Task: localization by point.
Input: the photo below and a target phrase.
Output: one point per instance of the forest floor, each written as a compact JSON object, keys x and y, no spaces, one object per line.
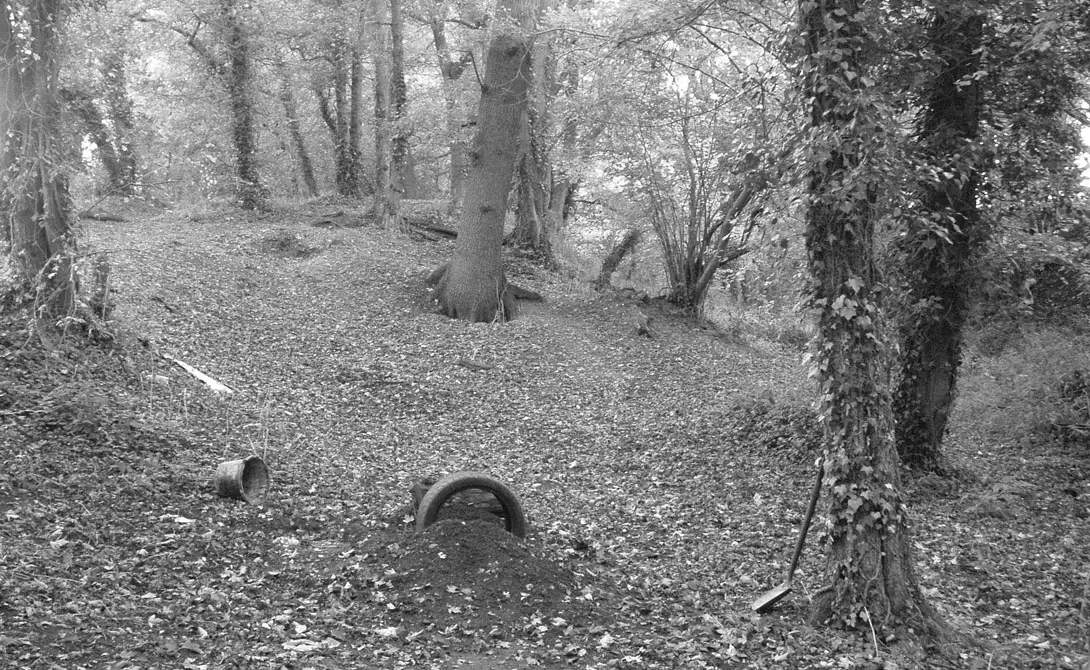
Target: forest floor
{"x":664,"y":479}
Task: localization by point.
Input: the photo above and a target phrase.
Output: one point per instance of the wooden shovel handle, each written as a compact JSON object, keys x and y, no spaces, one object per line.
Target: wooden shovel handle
{"x":814,"y":495}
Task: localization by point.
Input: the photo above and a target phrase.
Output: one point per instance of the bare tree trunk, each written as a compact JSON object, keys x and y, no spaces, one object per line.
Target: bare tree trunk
{"x":938,"y":252}
{"x":534,"y":176}
{"x":399,"y":102}
{"x":34,"y":194}
{"x":474,"y":286}
{"x":412,"y":181}
{"x":612,"y":261}
{"x":563,"y":185}
{"x":325,"y":109}
{"x":381,"y":54}
{"x":543,"y":194}
{"x":355,"y":124}
{"x":295,"y":131}
{"x":395,"y":175}
{"x":869,"y":565}
{"x":451,"y":71}
{"x":342,"y":147}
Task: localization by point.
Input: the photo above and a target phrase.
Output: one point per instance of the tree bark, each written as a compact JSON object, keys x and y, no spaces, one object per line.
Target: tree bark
{"x":869,"y":565}
{"x":395,"y":176}
{"x":119,"y":111}
{"x":383,"y":74}
{"x":403,"y":172}
{"x":612,"y":261}
{"x":534,"y":176}
{"x":708,"y":230}
{"x":474,"y":286}
{"x":295,"y":131}
{"x":451,"y":70}
{"x":342,"y":115}
{"x":251,"y":193}
{"x":83,"y":106}
{"x":355,"y":123}
{"x":563,"y":184}
{"x":34,"y":194}
{"x":937,"y":255}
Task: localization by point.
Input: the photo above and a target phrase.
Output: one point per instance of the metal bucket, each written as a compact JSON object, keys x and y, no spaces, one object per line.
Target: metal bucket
{"x":245,"y":479}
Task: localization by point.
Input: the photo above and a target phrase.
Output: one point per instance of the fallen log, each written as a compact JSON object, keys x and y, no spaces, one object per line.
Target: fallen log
{"x":445,"y":231}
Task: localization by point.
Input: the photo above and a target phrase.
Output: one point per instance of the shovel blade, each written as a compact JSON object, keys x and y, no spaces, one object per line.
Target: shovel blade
{"x":768,"y":600}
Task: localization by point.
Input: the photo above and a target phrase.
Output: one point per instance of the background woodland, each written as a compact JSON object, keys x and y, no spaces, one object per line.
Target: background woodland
{"x":898,"y":188}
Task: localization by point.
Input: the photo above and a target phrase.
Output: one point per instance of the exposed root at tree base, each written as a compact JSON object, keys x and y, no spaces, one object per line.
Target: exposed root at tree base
{"x":923,"y":626}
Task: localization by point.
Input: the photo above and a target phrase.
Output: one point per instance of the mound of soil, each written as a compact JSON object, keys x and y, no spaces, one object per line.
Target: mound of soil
{"x":474,"y":574}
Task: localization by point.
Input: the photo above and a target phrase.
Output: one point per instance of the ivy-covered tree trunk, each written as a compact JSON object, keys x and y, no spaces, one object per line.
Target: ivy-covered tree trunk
{"x":34,"y":198}
{"x":251,"y":193}
{"x":938,"y":252}
{"x":119,"y":112}
{"x":869,"y":566}
{"x":343,"y":115}
{"x":474,"y":287}
{"x":81,"y":104}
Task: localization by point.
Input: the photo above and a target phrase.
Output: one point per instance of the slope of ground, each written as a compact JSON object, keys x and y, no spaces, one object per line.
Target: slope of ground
{"x":664,"y":479}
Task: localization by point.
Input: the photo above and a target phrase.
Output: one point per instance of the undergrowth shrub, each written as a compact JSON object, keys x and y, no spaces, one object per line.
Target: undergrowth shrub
{"x":1030,"y":390}
{"x":768,"y":322}
{"x":1028,"y":281}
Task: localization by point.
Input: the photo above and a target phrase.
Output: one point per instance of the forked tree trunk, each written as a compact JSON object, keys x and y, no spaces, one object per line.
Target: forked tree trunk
{"x":474,"y":287}
{"x":937,"y":257}
{"x":869,"y":565}
{"x":295,"y":130}
{"x":451,"y":70}
{"x":33,"y":194}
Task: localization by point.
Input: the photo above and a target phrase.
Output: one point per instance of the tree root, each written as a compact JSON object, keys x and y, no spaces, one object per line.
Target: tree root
{"x":510,"y":290}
